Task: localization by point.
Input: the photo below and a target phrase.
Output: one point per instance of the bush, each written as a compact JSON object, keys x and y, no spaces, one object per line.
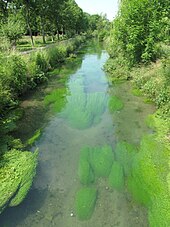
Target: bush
{"x":15,"y":74}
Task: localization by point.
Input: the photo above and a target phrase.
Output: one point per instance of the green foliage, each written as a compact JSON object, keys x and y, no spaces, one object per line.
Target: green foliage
{"x":85,"y":202}
{"x":56,"y":55}
{"x":13,"y":29}
{"x":17,"y":170}
{"x":115,"y":104}
{"x":137,"y":28}
{"x":116,"y":176}
{"x":117,"y":68}
{"x":42,"y":62}
{"x":101,"y":160}
{"x":154,"y":84}
{"x":15,"y":74}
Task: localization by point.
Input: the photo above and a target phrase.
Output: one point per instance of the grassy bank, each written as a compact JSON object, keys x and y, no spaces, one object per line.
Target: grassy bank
{"x":18,"y":75}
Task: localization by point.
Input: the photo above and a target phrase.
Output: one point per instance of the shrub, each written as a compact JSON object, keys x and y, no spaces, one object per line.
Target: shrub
{"x":15,"y":74}
{"x":42,"y":62}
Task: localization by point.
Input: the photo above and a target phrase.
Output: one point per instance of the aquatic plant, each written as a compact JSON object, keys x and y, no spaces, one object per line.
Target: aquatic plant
{"x":136,"y":92}
{"x":83,"y":110}
{"x":17,"y":170}
{"x":35,"y":137}
{"x":85,"y":202}
{"x":124,"y":154}
{"x":159,"y":214}
{"x":115,"y":104}
{"x":160,"y":126}
{"x":148,"y":182}
{"x":85,"y":171}
{"x":101,"y":159}
{"x":57,"y":99}
{"x":116,"y":176}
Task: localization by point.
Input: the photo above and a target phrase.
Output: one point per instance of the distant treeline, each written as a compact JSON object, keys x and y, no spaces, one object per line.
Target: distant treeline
{"x":44,"y":17}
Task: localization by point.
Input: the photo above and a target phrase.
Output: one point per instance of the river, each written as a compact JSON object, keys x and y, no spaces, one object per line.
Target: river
{"x":82,"y":118}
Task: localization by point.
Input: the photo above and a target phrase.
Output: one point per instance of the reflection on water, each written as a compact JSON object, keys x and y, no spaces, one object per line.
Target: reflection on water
{"x":83,"y":120}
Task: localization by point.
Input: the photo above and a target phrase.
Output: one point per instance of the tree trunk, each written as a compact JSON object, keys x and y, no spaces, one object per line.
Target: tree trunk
{"x":28,"y":25}
{"x":31,"y":36}
{"x":43,"y":31}
{"x":53,"y":38}
{"x":58,"y":34}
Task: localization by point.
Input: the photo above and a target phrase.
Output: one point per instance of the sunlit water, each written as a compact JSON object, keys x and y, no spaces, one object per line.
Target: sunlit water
{"x":51,"y":200}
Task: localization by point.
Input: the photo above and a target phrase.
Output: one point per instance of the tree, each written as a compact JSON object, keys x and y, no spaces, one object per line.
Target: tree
{"x":13,"y":29}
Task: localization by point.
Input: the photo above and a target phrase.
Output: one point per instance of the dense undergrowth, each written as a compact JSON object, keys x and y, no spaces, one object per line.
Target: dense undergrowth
{"x":18,"y":75}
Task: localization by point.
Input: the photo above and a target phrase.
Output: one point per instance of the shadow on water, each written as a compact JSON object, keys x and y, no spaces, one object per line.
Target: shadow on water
{"x":82,"y":92}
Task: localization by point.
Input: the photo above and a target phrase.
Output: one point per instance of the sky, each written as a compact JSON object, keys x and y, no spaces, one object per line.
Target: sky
{"x":109,"y":7}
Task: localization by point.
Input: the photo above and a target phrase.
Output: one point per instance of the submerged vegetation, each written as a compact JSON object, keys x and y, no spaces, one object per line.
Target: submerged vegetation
{"x":17,"y":170}
{"x":83,"y":109}
{"x":85,"y":202}
{"x":115,"y":104}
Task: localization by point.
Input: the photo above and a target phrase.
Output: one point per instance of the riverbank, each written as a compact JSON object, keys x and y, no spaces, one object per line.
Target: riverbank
{"x":148,"y":181}
{"x":18,"y":76}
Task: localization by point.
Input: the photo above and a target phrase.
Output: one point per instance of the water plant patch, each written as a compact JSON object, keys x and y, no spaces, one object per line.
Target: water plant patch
{"x":17,"y":170}
{"x":116,"y":176}
{"x":85,"y":202}
{"x":115,"y":104}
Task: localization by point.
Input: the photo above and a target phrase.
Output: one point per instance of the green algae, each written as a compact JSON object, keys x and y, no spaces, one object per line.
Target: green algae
{"x":136,"y":92}
{"x":101,"y":159}
{"x":17,"y":170}
{"x":115,"y":104}
{"x":34,"y":138}
{"x":159,"y":214}
{"x":148,"y":182}
{"x":85,"y":171}
{"x":83,"y":110}
{"x":160,"y":126}
{"x":116,"y":176}
{"x":85,"y":203}
{"x":124,"y":153}
{"x":57,"y":99}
